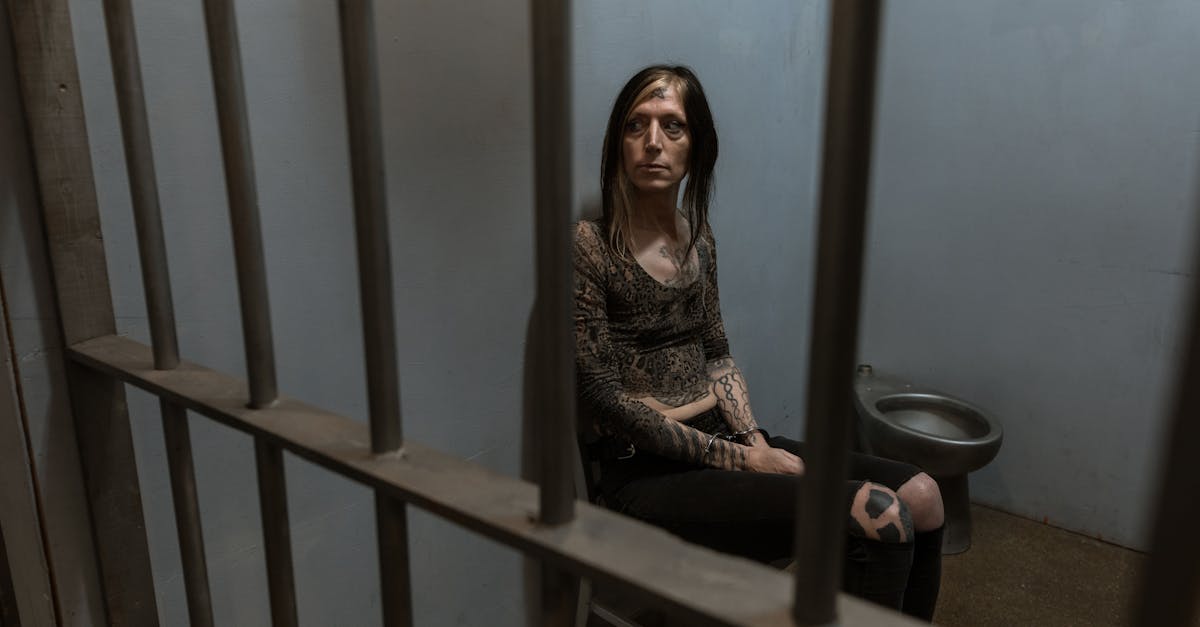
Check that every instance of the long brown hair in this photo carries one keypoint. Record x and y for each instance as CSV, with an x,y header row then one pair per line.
x,y
616,188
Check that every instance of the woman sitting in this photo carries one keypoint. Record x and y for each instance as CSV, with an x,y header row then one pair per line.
x,y
677,440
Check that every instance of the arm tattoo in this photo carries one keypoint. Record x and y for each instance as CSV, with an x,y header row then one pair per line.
x,y
733,398
651,431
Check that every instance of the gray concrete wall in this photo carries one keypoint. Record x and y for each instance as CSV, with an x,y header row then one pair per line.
x,y
1032,227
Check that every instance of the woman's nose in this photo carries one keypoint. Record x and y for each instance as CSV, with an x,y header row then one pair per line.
x,y
654,138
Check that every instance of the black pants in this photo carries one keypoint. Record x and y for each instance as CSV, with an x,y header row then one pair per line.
x,y
753,515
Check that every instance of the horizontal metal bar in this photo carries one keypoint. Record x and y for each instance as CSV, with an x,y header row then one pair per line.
x,y
634,559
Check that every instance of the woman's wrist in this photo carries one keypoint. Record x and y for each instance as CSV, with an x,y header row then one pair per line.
x,y
733,450
744,460
752,437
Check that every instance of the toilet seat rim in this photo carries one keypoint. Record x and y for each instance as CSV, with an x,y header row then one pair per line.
x,y
994,434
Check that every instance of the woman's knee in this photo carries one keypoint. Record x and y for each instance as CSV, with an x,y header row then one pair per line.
x,y
877,513
924,501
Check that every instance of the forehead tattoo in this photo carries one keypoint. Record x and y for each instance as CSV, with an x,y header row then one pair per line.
x,y
659,92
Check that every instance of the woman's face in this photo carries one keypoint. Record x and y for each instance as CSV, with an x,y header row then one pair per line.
x,y
657,143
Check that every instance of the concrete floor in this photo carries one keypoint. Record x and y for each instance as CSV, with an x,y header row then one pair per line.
x,y
1021,572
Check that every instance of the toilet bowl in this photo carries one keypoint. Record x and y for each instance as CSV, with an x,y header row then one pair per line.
x,y
945,436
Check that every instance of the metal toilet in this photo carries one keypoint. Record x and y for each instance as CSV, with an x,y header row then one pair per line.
x,y
947,437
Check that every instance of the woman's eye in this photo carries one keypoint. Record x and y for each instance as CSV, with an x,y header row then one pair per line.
x,y
633,126
674,126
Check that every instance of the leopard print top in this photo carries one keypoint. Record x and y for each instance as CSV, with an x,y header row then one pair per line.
x,y
637,337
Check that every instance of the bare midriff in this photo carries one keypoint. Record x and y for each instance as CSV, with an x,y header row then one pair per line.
x,y
683,412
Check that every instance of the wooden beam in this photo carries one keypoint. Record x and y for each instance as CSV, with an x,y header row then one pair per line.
x,y
700,586
46,65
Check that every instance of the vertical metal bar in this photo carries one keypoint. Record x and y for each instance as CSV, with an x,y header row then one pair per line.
x,y
226,62
845,178
139,160
553,354
277,537
554,408
1170,583
187,513
395,584
225,58
361,73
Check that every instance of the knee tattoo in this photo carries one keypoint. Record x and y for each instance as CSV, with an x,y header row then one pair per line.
x,y
878,514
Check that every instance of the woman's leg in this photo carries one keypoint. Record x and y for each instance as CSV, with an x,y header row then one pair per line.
x,y
924,502
879,547
925,580
743,513
920,493
753,515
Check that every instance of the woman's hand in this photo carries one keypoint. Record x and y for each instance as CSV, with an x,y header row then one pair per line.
x,y
768,459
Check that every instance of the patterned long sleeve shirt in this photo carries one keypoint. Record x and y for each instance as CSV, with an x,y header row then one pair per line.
x,y
637,337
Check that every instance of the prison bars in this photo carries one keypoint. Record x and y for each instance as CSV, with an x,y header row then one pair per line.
x,y
225,58
375,280
843,197
399,476
845,180
554,356
139,162
555,407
